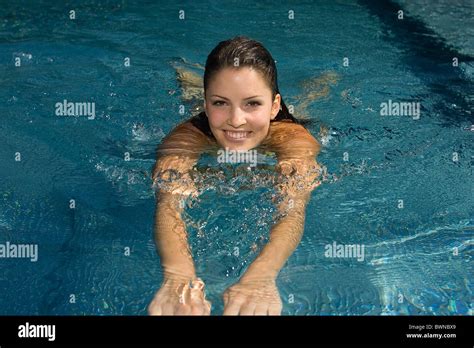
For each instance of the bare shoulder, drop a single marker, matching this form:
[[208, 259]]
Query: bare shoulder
[[184, 139], [180, 149], [291, 141], [296, 151]]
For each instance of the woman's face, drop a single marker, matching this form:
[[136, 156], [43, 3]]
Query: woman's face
[[239, 107]]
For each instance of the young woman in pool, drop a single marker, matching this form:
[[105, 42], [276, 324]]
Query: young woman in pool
[[243, 111]]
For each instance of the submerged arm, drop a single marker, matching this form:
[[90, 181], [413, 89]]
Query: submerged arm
[[286, 233], [176, 157], [296, 151]]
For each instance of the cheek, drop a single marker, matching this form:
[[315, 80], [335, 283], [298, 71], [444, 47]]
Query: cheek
[[259, 121], [216, 117]]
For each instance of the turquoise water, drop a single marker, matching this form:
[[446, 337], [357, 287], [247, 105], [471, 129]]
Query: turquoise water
[[100, 259]]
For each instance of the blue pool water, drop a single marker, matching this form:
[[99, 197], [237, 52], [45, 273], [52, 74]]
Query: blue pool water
[[418, 258]]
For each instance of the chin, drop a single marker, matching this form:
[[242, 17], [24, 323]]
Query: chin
[[239, 147], [245, 146]]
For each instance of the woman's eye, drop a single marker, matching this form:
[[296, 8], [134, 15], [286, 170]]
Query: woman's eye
[[220, 102]]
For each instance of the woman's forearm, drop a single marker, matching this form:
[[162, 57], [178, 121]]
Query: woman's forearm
[[285, 236], [171, 238]]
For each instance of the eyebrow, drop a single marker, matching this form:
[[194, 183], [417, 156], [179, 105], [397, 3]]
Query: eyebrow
[[255, 96]]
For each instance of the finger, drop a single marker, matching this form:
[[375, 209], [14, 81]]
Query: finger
[[261, 309], [232, 308], [154, 309], [202, 308], [181, 309], [232, 295], [196, 295], [197, 309], [275, 309], [167, 309], [207, 308], [248, 309], [197, 284], [199, 304], [225, 297]]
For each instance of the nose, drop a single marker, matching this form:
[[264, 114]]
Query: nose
[[237, 118]]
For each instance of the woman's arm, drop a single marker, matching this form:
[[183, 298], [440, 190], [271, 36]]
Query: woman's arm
[[256, 292], [171, 238], [176, 156]]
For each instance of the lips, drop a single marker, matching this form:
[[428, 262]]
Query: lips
[[236, 135]]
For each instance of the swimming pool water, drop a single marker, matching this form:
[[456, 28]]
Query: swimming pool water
[[99, 258]]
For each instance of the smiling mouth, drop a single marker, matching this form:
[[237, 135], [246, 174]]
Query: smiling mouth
[[236, 135]]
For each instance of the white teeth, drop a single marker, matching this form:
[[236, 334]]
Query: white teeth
[[237, 135]]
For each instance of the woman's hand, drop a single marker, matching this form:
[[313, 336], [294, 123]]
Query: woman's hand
[[255, 297], [179, 297]]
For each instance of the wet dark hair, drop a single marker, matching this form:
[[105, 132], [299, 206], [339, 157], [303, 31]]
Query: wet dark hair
[[247, 53]]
